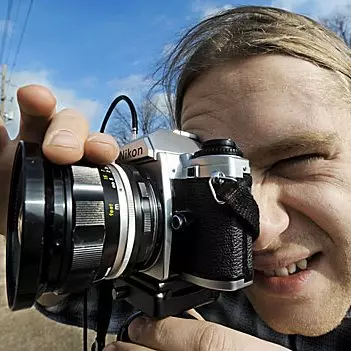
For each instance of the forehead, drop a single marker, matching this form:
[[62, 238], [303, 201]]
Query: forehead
[[262, 100]]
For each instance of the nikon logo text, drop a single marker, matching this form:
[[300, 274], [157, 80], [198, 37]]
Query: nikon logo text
[[131, 153]]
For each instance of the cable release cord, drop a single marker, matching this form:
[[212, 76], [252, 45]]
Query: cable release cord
[[132, 111]]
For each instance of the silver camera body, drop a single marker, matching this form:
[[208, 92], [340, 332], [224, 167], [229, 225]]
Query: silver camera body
[[168, 156]]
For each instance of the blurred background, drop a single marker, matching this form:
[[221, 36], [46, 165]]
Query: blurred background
[[87, 53]]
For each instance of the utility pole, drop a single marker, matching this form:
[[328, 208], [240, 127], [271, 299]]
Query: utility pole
[[3, 92]]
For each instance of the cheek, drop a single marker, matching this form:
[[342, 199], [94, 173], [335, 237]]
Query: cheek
[[327, 205]]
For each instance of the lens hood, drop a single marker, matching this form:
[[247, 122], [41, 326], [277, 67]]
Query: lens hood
[[25, 229]]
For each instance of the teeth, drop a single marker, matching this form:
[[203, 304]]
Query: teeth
[[281, 272], [285, 271], [292, 268], [302, 264]]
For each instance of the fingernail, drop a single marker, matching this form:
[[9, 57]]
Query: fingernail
[[137, 326], [109, 150], [97, 139], [64, 138]]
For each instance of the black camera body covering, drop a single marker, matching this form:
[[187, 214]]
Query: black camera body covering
[[172, 220]]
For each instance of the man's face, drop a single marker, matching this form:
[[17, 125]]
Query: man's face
[[281, 113]]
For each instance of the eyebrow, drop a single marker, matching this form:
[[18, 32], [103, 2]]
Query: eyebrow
[[294, 145]]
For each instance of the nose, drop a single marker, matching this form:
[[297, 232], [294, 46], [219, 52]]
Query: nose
[[274, 218]]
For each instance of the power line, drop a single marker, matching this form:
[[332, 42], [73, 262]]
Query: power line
[[7, 24], [21, 37], [14, 21]]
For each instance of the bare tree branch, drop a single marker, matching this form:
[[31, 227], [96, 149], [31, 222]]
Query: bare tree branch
[[340, 23]]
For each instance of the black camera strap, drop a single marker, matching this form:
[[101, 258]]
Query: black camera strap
[[103, 314], [238, 196]]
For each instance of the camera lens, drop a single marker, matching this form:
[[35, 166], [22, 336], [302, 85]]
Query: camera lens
[[72, 226]]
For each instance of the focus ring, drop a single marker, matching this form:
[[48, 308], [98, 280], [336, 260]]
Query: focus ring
[[89, 218], [85, 254], [89, 230]]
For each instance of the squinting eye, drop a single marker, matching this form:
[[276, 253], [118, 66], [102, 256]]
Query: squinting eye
[[301, 159]]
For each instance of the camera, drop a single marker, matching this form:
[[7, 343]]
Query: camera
[[172, 222]]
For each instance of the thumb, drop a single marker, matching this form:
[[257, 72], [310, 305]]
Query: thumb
[[37, 106], [185, 334]]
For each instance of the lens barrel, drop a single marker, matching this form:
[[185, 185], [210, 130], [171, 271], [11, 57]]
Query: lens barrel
[[72, 226]]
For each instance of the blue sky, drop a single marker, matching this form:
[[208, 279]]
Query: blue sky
[[89, 51]]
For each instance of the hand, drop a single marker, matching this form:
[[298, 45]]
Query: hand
[[175, 334], [64, 135]]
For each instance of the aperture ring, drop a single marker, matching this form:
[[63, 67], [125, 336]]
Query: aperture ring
[[127, 212]]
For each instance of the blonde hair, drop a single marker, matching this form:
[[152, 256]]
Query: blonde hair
[[247, 31]]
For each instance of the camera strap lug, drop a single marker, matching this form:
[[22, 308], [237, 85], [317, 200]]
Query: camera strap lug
[[218, 178]]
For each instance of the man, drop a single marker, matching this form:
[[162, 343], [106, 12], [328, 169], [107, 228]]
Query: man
[[278, 84]]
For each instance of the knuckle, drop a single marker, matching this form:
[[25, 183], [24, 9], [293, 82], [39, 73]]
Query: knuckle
[[70, 111], [212, 338], [72, 114], [72, 120]]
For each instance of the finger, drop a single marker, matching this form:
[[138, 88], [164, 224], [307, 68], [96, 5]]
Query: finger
[[65, 137], [101, 148], [4, 137], [185, 334], [165, 334], [124, 346], [37, 106]]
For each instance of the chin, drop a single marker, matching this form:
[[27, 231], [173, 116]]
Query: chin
[[303, 318], [301, 327]]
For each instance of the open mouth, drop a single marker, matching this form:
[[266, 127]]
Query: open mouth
[[292, 268]]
